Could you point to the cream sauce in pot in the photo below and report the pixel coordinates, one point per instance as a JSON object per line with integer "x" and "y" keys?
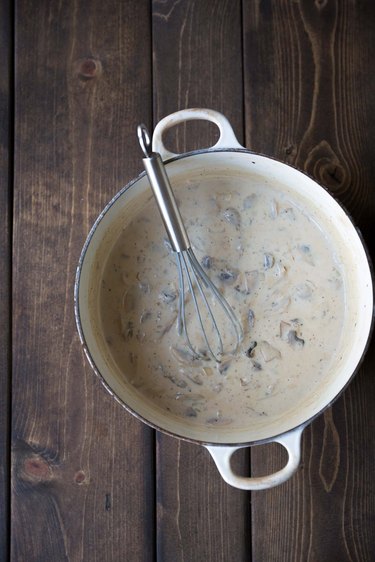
{"x": 275, "y": 265}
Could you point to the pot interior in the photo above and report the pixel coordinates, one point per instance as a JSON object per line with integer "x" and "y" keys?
{"x": 244, "y": 170}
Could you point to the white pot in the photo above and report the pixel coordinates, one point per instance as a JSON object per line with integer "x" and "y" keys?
{"x": 228, "y": 156}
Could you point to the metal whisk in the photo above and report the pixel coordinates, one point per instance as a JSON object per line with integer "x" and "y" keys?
{"x": 191, "y": 275}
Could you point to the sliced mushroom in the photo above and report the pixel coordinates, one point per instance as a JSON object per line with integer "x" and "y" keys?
{"x": 175, "y": 380}
{"x": 287, "y": 333}
{"x": 304, "y": 290}
{"x": 253, "y": 280}
{"x": 194, "y": 377}
{"x": 183, "y": 356}
{"x": 274, "y": 209}
{"x": 294, "y": 340}
{"x": 207, "y": 262}
{"x": 190, "y": 412}
{"x": 250, "y": 318}
{"x": 280, "y": 271}
{"x": 168, "y": 295}
{"x": 250, "y": 351}
{"x": 223, "y": 366}
{"x": 256, "y": 365}
{"x": 268, "y": 261}
{"x": 285, "y": 328}
{"x": 207, "y": 371}
{"x": 228, "y": 275}
{"x": 164, "y": 327}
{"x": 268, "y": 351}
{"x": 306, "y": 253}
{"x": 233, "y": 217}
{"x": 280, "y": 303}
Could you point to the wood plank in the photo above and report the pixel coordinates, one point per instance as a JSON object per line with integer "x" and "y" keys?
{"x": 83, "y": 484}
{"x": 309, "y": 102}
{"x": 198, "y": 63}
{"x": 6, "y": 124}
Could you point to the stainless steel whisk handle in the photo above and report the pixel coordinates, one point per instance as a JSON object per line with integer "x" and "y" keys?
{"x": 163, "y": 193}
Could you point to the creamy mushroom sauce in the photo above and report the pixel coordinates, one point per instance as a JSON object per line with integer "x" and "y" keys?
{"x": 278, "y": 270}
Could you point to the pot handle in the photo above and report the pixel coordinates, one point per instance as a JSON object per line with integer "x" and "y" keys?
{"x": 227, "y": 137}
{"x": 292, "y": 443}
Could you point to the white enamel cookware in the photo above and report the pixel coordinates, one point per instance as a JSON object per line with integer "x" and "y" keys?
{"x": 228, "y": 156}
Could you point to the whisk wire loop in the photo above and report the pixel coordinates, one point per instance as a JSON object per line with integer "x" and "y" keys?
{"x": 181, "y": 321}
{"x": 194, "y": 278}
{"x": 220, "y": 299}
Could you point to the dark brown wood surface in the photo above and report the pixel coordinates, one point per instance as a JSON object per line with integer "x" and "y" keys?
{"x": 6, "y": 105}
{"x": 88, "y": 481}
{"x": 83, "y": 470}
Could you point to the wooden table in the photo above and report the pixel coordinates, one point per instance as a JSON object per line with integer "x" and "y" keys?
{"x": 81, "y": 478}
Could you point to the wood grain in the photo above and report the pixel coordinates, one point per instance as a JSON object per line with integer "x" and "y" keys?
{"x": 6, "y": 124}
{"x": 309, "y": 64}
{"x": 197, "y": 63}
{"x": 89, "y": 482}
{"x": 83, "y": 485}
{"x": 306, "y": 67}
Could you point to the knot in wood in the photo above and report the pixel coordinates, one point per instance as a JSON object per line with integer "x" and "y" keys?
{"x": 320, "y": 4}
{"x": 290, "y": 153}
{"x": 35, "y": 468}
{"x": 80, "y": 477}
{"x": 325, "y": 166}
{"x": 333, "y": 175}
{"x": 88, "y": 68}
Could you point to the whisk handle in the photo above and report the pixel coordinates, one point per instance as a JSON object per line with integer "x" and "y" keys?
{"x": 164, "y": 195}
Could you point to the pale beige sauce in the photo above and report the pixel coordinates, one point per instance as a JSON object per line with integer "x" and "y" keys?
{"x": 286, "y": 289}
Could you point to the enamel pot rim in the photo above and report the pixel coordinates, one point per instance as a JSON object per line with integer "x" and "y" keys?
{"x": 86, "y": 347}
